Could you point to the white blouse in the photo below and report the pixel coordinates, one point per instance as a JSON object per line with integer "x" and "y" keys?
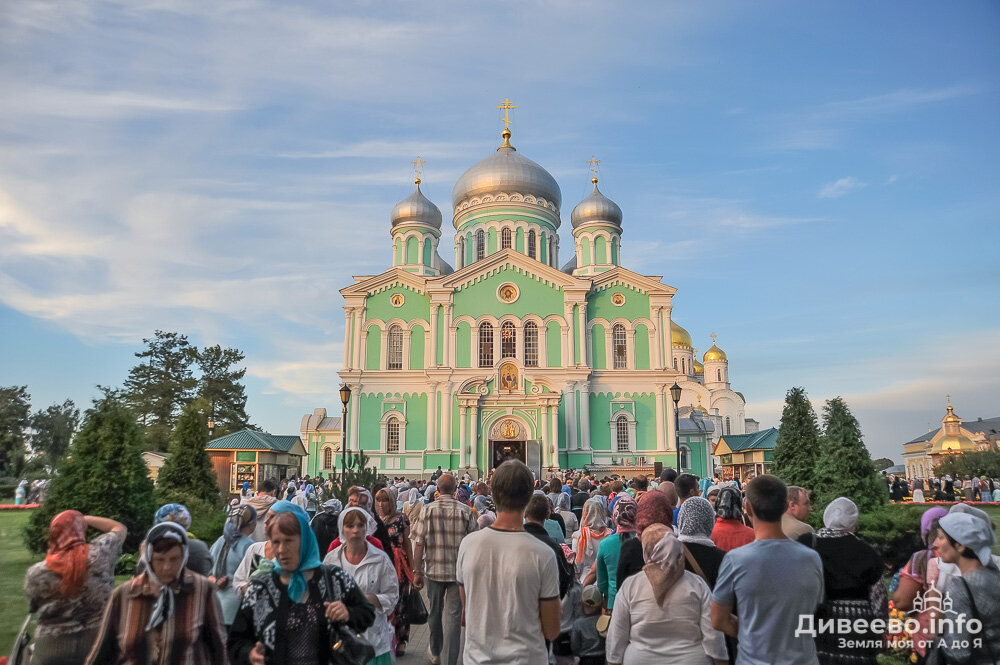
{"x": 643, "y": 633}
{"x": 375, "y": 575}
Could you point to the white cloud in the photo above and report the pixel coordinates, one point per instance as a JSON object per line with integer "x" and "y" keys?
{"x": 839, "y": 187}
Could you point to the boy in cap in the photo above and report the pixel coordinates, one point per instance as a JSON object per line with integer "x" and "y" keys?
{"x": 585, "y": 640}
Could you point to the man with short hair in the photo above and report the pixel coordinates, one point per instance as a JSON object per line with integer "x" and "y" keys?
{"x": 668, "y": 475}
{"x": 687, "y": 487}
{"x": 437, "y": 536}
{"x": 480, "y": 503}
{"x": 641, "y": 485}
{"x": 579, "y": 498}
{"x": 799, "y": 506}
{"x": 537, "y": 511}
{"x": 509, "y": 581}
{"x": 774, "y": 583}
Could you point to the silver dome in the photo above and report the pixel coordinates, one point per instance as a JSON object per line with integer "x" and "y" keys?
{"x": 416, "y": 208}
{"x": 596, "y": 208}
{"x": 509, "y": 173}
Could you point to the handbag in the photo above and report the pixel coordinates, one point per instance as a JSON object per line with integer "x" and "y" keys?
{"x": 414, "y": 610}
{"x": 347, "y": 646}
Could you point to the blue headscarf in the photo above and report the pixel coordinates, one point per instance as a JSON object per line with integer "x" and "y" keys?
{"x": 173, "y": 512}
{"x": 309, "y": 490}
{"x": 308, "y": 549}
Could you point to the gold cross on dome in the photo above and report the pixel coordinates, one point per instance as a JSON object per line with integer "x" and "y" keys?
{"x": 417, "y": 164}
{"x": 593, "y": 161}
{"x": 506, "y": 105}
{"x": 713, "y": 338}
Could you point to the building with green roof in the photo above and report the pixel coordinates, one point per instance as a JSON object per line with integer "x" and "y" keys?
{"x": 251, "y": 456}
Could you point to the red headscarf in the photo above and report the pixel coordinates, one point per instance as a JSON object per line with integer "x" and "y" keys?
{"x": 68, "y": 550}
{"x": 654, "y": 508}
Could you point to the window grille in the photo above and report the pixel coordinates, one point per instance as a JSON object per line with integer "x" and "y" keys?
{"x": 392, "y": 436}
{"x": 480, "y": 245}
{"x": 621, "y": 434}
{"x": 718, "y": 374}
{"x": 530, "y": 344}
{"x": 508, "y": 340}
{"x": 394, "y": 358}
{"x": 505, "y": 238}
{"x": 728, "y": 429}
{"x": 328, "y": 458}
{"x": 531, "y": 244}
{"x": 486, "y": 345}
{"x": 619, "y": 346}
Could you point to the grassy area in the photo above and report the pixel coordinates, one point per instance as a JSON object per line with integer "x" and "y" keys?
{"x": 14, "y": 561}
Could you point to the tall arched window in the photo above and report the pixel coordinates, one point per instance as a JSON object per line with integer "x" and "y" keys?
{"x": 531, "y": 244}
{"x": 394, "y": 357}
{"x": 728, "y": 426}
{"x": 675, "y": 363}
{"x": 508, "y": 340}
{"x": 619, "y": 347}
{"x": 486, "y": 344}
{"x": 684, "y": 455}
{"x": 621, "y": 434}
{"x": 392, "y": 436}
{"x": 480, "y": 244}
{"x": 328, "y": 458}
{"x": 505, "y": 238}
{"x": 530, "y": 344}
{"x": 461, "y": 252}
{"x": 552, "y": 260}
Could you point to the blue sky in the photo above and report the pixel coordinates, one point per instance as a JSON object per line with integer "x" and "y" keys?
{"x": 818, "y": 181}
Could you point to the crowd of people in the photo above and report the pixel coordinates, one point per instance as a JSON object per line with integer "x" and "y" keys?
{"x": 946, "y": 489}
{"x": 571, "y": 569}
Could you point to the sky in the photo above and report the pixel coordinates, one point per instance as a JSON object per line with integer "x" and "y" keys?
{"x": 817, "y": 180}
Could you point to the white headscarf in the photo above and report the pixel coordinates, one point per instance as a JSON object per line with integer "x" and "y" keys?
{"x": 370, "y": 521}
{"x": 164, "y": 606}
{"x": 841, "y": 515}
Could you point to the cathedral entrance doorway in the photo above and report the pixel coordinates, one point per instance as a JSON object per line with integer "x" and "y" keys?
{"x": 501, "y": 451}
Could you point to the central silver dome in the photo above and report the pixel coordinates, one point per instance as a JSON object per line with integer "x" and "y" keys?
{"x": 506, "y": 172}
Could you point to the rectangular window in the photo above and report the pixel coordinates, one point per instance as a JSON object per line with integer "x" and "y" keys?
{"x": 530, "y": 345}
{"x": 486, "y": 345}
{"x": 621, "y": 435}
{"x": 394, "y": 359}
{"x": 392, "y": 437}
{"x": 508, "y": 341}
{"x": 620, "y": 349}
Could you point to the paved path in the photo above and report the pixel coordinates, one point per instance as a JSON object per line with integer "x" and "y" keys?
{"x": 416, "y": 648}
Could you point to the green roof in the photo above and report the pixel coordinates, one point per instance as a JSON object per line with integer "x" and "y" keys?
{"x": 764, "y": 439}
{"x": 248, "y": 439}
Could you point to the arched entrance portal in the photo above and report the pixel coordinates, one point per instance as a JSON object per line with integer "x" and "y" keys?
{"x": 508, "y": 439}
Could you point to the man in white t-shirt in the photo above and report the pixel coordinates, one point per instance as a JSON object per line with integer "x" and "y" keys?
{"x": 509, "y": 581}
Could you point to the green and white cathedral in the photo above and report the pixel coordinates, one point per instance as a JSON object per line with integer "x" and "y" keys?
{"x": 510, "y": 355}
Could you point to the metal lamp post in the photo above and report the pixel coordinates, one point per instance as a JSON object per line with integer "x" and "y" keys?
{"x": 675, "y": 394}
{"x": 345, "y": 397}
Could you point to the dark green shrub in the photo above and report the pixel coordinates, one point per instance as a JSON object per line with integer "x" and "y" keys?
{"x": 126, "y": 564}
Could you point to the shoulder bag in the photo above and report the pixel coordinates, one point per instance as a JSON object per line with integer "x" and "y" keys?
{"x": 347, "y": 646}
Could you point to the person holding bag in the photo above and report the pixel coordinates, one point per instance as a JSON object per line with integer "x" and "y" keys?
{"x": 398, "y": 526}
{"x": 301, "y": 612}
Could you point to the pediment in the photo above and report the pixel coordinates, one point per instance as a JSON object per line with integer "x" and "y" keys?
{"x": 619, "y": 275}
{"x": 514, "y": 259}
{"x": 365, "y": 285}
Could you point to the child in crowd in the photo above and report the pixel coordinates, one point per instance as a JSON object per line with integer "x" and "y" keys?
{"x": 585, "y": 640}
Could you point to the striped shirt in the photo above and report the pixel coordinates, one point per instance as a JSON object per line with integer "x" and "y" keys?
{"x": 193, "y": 635}
{"x": 442, "y": 525}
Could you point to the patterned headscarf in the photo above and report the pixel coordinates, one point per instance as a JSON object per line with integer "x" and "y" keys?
{"x": 654, "y": 508}
{"x": 462, "y": 494}
{"x": 624, "y": 513}
{"x": 239, "y": 518}
{"x": 333, "y": 506}
{"x": 173, "y": 512}
{"x": 562, "y": 502}
{"x": 696, "y": 519}
{"x": 664, "y": 557}
{"x": 841, "y": 516}
{"x": 308, "y": 550}
{"x": 164, "y": 606}
{"x": 729, "y": 505}
{"x": 68, "y": 550}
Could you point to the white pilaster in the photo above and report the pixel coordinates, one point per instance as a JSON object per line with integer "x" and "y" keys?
{"x": 661, "y": 443}
{"x": 474, "y": 438}
{"x": 581, "y": 318}
{"x": 570, "y": 396}
{"x": 554, "y": 422}
{"x": 347, "y": 339}
{"x": 355, "y": 418}
{"x": 434, "y": 337}
{"x": 461, "y": 435}
{"x": 584, "y": 442}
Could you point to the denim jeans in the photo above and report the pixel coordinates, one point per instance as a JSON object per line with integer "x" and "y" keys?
{"x": 444, "y": 618}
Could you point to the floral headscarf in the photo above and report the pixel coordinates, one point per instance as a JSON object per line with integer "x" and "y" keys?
{"x": 664, "y": 557}
{"x": 68, "y": 550}
{"x": 624, "y": 514}
{"x": 654, "y": 508}
{"x": 729, "y": 505}
{"x": 173, "y": 512}
{"x": 164, "y": 606}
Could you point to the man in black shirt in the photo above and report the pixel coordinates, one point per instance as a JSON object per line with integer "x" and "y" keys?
{"x": 534, "y": 520}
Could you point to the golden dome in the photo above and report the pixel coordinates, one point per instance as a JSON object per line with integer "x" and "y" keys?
{"x": 679, "y": 336}
{"x": 953, "y": 444}
{"x": 700, "y": 407}
{"x": 698, "y": 367}
{"x": 714, "y": 353}
{"x": 950, "y": 417}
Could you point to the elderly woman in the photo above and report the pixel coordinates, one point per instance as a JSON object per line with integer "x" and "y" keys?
{"x": 324, "y": 524}
{"x": 374, "y": 574}
{"x": 851, "y": 567}
{"x": 654, "y": 508}
{"x": 624, "y": 517}
{"x": 562, "y": 508}
{"x": 227, "y": 553}
{"x": 292, "y": 613}
{"x": 663, "y": 616}
{"x": 695, "y": 523}
{"x": 398, "y": 526}
{"x": 199, "y": 559}
{"x": 69, "y": 588}
{"x": 917, "y": 576}
{"x": 730, "y": 532}
{"x": 165, "y": 614}
{"x": 964, "y": 540}
{"x": 593, "y": 529}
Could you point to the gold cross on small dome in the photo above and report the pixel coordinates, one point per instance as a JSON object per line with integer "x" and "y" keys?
{"x": 593, "y": 161}
{"x": 713, "y": 338}
{"x": 506, "y": 105}
{"x": 417, "y": 168}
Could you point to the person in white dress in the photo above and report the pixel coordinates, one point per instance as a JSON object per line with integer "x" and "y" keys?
{"x": 374, "y": 572}
{"x": 663, "y": 617}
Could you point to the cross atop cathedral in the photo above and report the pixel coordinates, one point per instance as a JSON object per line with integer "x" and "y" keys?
{"x": 949, "y": 399}
{"x": 593, "y": 161}
{"x": 506, "y": 105}
{"x": 418, "y": 168}
{"x": 713, "y": 338}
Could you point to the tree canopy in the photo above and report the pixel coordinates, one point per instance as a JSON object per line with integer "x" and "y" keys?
{"x": 797, "y": 447}
{"x": 187, "y": 470}
{"x": 844, "y": 467}
{"x": 53, "y": 430}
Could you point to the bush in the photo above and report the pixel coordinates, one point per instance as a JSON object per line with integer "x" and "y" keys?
{"x": 206, "y": 519}
{"x": 894, "y": 532}
{"x": 126, "y": 564}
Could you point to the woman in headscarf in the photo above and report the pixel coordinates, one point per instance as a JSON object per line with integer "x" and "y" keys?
{"x": 653, "y": 508}
{"x": 166, "y": 614}
{"x": 965, "y": 540}
{"x": 199, "y": 559}
{"x": 412, "y": 504}
{"x": 562, "y": 508}
{"x": 324, "y": 524}
{"x": 593, "y": 529}
{"x": 21, "y": 493}
{"x": 730, "y": 531}
{"x": 663, "y": 616}
{"x": 227, "y": 553}
{"x": 289, "y": 614}
{"x": 624, "y": 516}
{"x": 69, "y": 588}
{"x": 310, "y": 501}
{"x": 398, "y": 526}
{"x": 695, "y": 523}
{"x": 851, "y": 568}
{"x": 375, "y": 575}
{"x": 917, "y": 576}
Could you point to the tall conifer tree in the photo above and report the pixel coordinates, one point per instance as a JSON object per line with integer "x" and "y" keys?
{"x": 221, "y": 388}
{"x": 844, "y": 467}
{"x": 187, "y": 471}
{"x": 797, "y": 448}
{"x": 159, "y": 386}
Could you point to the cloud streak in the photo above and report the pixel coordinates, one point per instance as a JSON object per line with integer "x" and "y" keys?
{"x": 839, "y": 187}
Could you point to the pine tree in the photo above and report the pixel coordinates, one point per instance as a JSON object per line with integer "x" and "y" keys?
{"x": 103, "y": 475}
{"x": 221, "y": 388}
{"x": 844, "y": 466}
{"x": 797, "y": 447}
{"x": 187, "y": 471}
{"x": 53, "y": 430}
{"x": 159, "y": 386}
{"x": 358, "y": 474}
{"x": 15, "y": 414}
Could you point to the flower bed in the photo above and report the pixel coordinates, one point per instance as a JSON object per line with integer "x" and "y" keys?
{"x": 14, "y": 506}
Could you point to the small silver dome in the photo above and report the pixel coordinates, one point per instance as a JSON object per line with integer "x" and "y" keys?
{"x": 416, "y": 208}
{"x": 506, "y": 172}
{"x": 596, "y": 208}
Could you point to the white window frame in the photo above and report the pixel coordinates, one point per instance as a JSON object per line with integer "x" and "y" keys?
{"x": 384, "y": 432}
{"x": 390, "y": 351}
{"x": 511, "y": 351}
{"x": 532, "y": 244}
{"x": 482, "y": 347}
{"x": 480, "y": 245}
{"x": 531, "y": 348}
{"x": 632, "y": 423}
{"x": 614, "y": 347}
{"x": 328, "y": 450}
{"x": 684, "y": 455}
{"x": 506, "y": 238}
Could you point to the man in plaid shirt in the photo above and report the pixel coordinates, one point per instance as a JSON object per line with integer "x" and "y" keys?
{"x": 443, "y": 524}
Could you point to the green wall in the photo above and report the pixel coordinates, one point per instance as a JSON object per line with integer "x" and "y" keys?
{"x": 463, "y": 345}
{"x": 417, "y": 347}
{"x": 641, "y": 347}
{"x": 636, "y": 304}
{"x": 374, "y": 347}
{"x": 416, "y": 420}
{"x": 599, "y": 342}
{"x": 553, "y": 344}
{"x": 415, "y": 305}
{"x": 536, "y": 297}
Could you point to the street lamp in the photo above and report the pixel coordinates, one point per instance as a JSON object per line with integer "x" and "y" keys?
{"x": 675, "y": 394}
{"x": 345, "y": 397}
{"x": 211, "y": 428}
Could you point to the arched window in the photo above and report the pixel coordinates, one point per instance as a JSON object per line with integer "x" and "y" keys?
{"x": 505, "y": 238}
{"x": 621, "y": 434}
{"x": 718, "y": 375}
{"x": 684, "y": 455}
{"x": 508, "y": 340}
{"x": 531, "y": 244}
{"x": 480, "y": 244}
{"x": 392, "y": 436}
{"x": 728, "y": 426}
{"x": 675, "y": 363}
{"x": 394, "y": 357}
{"x": 328, "y": 458}
{"x": 552, "y": 260}
{"x": 461, "y": 252}
{"x": 530, "y": 344}
{"x": 619, "y": 346}
{"x": 486, "y": 345}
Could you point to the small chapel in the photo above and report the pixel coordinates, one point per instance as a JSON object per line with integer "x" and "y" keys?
{"x": 560, "y": 357}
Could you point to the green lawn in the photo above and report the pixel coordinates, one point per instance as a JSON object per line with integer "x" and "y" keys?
{"x": 14, "y": 561}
